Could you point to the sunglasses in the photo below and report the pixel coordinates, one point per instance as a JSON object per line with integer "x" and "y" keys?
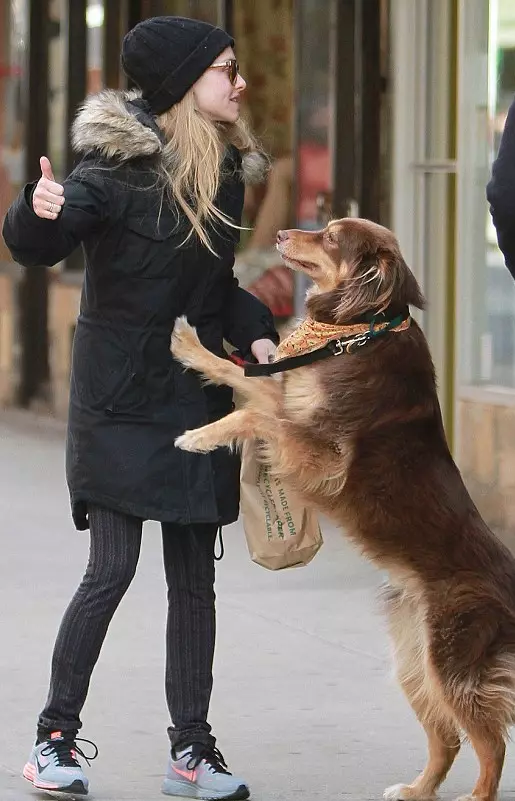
{"x": 232, "y": 67}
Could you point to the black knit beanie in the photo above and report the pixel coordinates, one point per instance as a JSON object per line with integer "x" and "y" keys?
{"x": 164, "y": 56}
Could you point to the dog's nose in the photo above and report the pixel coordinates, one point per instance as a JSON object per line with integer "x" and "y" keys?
{"x": 282, "y": 236}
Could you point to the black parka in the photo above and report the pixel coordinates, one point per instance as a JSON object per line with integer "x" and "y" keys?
{"x": 129, "y": 399}
{"x": 501, "y": 192}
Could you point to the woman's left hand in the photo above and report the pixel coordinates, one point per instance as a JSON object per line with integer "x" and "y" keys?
{"x": 263, "y": 350}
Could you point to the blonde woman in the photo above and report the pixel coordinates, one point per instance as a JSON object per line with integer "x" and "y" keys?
{"x": 156, "y": 203}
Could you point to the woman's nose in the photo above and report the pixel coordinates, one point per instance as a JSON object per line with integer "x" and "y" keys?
{"x": 282, "y": 236}
{"x": 241, "y": 83}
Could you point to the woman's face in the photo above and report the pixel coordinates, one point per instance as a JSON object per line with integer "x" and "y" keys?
{"x": 215, "y": 95}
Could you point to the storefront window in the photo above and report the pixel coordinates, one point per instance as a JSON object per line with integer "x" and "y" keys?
{"x": 13, "y": 61}
{"x": 313, "y": 115}
{"x": 486, "y": 290}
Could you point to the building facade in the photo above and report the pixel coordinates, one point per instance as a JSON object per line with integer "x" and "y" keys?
{"x": 387, "y": 109}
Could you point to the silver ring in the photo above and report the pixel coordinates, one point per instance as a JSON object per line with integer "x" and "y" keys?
{"x": 53, "y": 208}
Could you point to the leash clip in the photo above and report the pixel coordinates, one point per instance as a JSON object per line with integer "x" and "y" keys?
{"x": 338, "y": 347}
{"x": 356, "y": 343}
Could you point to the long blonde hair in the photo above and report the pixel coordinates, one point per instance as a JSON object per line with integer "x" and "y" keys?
{"x": 191, "y": 163}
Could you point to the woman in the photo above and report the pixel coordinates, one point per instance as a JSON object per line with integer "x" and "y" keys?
{"x": 156, "y": 202}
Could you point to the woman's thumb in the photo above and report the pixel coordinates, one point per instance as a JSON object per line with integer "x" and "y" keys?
{"x": 46, "y": 168}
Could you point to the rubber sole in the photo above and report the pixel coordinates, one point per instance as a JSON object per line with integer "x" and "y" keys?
{"x": 65, "y": 795}
{"x": 74, "y": 790}
{"x": 172, "y": 787}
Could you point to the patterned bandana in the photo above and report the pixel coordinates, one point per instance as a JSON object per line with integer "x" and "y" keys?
{"x": 311, "y": 335}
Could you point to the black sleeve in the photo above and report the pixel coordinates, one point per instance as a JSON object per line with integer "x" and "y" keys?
{"x": 246, "y": 319}
{"x": 501, "y": 192}
{"x": 34, "y": 241}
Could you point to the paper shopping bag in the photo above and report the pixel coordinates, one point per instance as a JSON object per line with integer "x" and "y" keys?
{"x": 280, "y": 530}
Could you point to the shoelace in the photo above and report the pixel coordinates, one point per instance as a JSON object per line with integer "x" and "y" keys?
{"x": 211, "y": 756}
{"x": 67, "y": 751}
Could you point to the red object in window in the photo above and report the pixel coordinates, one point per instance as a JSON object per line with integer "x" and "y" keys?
{"x": 314, "y": 177}
{"x": 8, "y": 71}
{"x": 275, "y": 288}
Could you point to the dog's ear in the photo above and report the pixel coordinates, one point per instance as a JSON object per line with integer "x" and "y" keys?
{"x": 408, "y": 289}
{"x": 377, "y": 282}
{"x": 398, "y": 286}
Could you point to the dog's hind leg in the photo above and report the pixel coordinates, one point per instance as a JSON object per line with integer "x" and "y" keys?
{"x": 408, "y": 636}
{"x": 490, "y": 749}
{"x": 443, "y": 747}
{"x": 472, "y": 648}
{"x": 484, "y": 705}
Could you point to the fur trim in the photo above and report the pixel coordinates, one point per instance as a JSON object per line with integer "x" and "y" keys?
{"x": 106, "y": 123}
{"x": 255, "y": 167}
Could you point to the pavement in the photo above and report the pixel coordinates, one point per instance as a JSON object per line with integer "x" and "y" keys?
{"x": 304, "y": 706}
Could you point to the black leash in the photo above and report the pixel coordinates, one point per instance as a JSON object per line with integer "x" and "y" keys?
{"x": 335, "y": 347}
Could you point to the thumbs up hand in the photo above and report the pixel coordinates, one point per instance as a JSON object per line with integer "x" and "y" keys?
{"x": 48, "y": 196}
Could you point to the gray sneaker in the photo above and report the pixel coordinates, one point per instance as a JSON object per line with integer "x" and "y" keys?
{"x": 53, "y": 766}
{"x": 200, "y": 772}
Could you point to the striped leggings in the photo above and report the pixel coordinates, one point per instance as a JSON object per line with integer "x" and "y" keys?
{"x": 115, "y": 541}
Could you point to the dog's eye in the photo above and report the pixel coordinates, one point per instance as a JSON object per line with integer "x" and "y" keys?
{"x": 331, "y": 238}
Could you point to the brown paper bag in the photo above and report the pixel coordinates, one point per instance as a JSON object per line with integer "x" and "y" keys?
{"x": 280, "y": 530}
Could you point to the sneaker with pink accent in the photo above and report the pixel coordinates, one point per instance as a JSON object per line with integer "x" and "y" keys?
{"x": 200, "y": 772}
{"x": 53, "y": 765}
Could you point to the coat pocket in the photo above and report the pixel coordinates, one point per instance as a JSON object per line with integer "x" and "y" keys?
{"x": 104, "y": 378}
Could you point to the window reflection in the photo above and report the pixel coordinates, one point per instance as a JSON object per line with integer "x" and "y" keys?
{"x": 314, "y": 117}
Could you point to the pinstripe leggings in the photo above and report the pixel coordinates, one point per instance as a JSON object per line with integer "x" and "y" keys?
{"x": 188, "y": 553}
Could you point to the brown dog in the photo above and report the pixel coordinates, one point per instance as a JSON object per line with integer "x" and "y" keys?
{"x": 361, "y": 436}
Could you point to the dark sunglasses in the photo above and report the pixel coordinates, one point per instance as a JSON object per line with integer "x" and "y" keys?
{"x": 232, "y": 67}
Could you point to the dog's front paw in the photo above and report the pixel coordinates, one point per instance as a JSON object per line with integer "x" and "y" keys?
{"x": 191, "y": 441}
{"x": 185, "y": 342}
{"x": 404, "y": 792}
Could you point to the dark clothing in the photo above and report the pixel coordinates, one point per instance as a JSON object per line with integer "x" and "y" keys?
{"x": 501, "y": 192}
{"x": 190, "y": 635}
{"x": 129, "y": 399}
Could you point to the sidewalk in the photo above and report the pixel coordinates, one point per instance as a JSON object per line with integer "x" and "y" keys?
{"x": 303, "y": 703}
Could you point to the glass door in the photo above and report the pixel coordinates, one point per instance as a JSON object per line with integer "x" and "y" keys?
{"x": 424, "y": 167}
{"x": 340, "y": 86}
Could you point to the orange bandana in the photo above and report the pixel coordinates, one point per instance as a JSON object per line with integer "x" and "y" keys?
{"x": 311, "y": 335}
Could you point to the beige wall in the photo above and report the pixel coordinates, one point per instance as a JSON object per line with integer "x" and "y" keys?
{"x": 7, "y": 332}
{"x": 64, "y": 300}
{"x": 486, "y": 453}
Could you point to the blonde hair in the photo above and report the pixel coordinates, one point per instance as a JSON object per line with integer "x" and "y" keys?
{"x": 191, "y": 163}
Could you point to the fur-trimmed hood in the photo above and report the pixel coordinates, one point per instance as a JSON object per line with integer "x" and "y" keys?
{"x": 118, "y": 125}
